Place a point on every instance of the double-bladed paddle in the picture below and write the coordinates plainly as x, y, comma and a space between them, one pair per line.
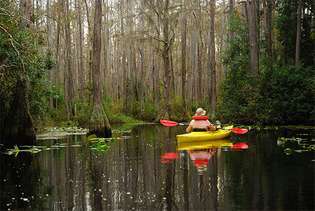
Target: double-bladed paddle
236, 130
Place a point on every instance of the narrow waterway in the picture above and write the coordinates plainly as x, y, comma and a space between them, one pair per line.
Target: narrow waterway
147, 170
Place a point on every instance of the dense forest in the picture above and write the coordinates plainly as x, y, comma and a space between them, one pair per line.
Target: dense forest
96, 62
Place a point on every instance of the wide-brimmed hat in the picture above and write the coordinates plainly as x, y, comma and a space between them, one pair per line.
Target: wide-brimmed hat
200, 112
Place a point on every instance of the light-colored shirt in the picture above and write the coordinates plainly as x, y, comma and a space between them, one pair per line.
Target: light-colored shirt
200, 124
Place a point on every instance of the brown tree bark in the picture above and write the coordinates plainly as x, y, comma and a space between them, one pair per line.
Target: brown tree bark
183, 53
231, 12
212, 63
298, 33
80, 41
268, 32
99, 120
69, 79
49, 44
26, 8
253, 37
166, 60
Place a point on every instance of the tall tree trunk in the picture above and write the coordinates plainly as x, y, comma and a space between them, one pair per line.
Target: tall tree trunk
199, 70
99, 120
69, 79
26, 8
58, 72
212, 63
183, 53
80, 36
298, 33
231, 12
90, 43
166, 61
123, 59
253, 38
49, 45
268, 32
156, 79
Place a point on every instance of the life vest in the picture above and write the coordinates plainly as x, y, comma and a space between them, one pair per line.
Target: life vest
200, 118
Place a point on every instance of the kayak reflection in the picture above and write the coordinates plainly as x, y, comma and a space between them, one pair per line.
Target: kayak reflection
202, 151
201, 158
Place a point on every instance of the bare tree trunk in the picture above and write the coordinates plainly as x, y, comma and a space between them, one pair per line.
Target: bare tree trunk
81, 72
199, 71
26, 7
199, 53
49, 45
89, 60
183, 53
69, 79
231, 12
298, 33
156, 79
268, 32
166, 61
212, 63
123, 59
253, 38
99, 120
194, 63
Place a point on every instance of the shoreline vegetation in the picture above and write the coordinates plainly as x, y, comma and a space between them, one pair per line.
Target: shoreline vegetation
245, 62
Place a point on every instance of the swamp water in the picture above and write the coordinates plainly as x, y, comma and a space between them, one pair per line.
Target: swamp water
146, 170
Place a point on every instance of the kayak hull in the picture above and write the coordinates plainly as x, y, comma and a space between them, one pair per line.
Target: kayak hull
203, 136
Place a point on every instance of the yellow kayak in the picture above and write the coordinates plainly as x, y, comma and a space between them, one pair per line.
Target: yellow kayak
203, 136
198, 145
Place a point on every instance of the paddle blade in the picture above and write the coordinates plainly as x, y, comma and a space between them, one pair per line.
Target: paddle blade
237, 130
168, 123
169, 157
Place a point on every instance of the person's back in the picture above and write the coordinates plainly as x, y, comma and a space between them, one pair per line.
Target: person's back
200, 122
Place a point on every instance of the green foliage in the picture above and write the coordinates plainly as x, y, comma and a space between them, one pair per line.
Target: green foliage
281, 95
20, 59
179, 110
286, 20
288, 95
238, 99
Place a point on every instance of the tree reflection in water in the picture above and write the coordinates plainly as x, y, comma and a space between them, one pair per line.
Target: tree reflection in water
130, 175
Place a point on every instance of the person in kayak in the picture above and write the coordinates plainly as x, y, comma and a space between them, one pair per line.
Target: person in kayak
200, 122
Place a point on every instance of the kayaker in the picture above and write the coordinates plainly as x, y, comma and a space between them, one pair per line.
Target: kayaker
200, 122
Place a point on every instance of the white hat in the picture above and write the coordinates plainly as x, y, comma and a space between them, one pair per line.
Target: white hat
200, 112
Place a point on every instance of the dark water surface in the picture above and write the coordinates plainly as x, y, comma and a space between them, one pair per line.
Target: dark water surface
132, 176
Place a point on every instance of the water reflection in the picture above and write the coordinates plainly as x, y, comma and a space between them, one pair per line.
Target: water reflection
201, 158
130, 175
200, 152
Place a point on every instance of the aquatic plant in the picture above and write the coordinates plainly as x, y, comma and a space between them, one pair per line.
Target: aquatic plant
61, 132
296, 145
99, 144
16, 150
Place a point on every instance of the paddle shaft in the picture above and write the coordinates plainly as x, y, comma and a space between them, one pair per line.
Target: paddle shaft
235, 130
